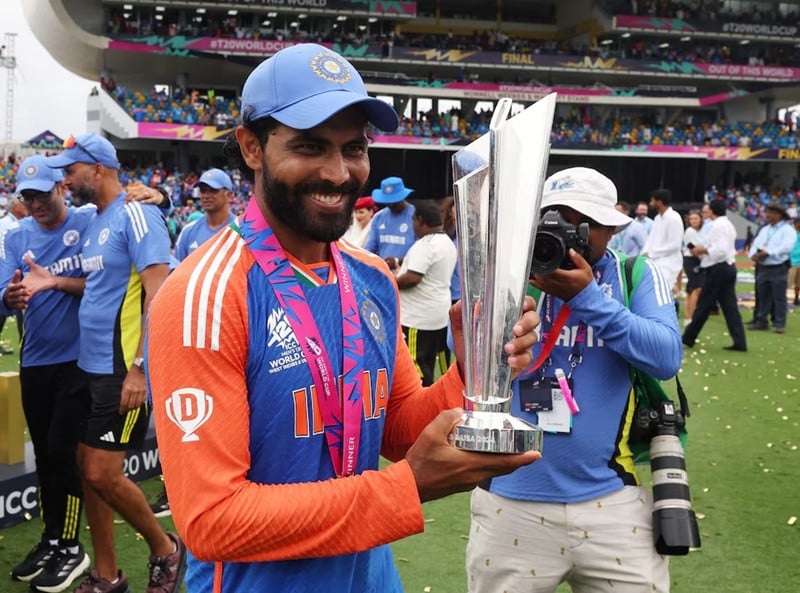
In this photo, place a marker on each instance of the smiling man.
(278, 369)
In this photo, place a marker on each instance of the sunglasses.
(28, 196)
(72, 143)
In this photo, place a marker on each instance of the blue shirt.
(594, 459)
(630, 240)
(195, 234)
(391, 235)
(777, 240)
(120, 242)
(51, 319)
(795, 256)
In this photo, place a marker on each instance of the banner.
(378, 7)
(19, 491)
(203, 46)
(719, 25)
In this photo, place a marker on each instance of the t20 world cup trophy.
(497, 184)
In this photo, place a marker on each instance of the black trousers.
(719, 286)
(427, 347)
(55, 399)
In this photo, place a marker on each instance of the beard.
(288, 204)
(82, 194)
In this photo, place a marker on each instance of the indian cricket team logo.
(103, 236)
(607, 289)
(189, 408)
(403, 227)
(71, 237)
(31, 171)
(371, 314)
(331, 67)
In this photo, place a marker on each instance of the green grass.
(744, 469)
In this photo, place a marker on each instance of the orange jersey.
(249, 476)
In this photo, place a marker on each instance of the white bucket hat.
(587, 191)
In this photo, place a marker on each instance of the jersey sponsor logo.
(393, 239)
(71, 238)
(280, 336)
(92, 264)
(66, 264)
(189, 408)
(108, 437)
(104, 234)
(571, 333)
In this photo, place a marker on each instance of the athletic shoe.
(34, 562)
(94, 584)
(161, 506)
(62, 568)
(166, 572)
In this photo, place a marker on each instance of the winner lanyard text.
(341, 416)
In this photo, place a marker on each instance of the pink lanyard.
(342, 421)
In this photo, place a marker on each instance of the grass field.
(744, 469)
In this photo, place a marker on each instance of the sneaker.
(161, 506)
(62, 568)
(166, 572)
(95, 584)
(34, 562)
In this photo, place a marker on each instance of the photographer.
(579, 515)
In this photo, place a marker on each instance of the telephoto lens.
(674, 522)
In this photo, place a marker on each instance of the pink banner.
(181, 131)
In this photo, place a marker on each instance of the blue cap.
(304, 85)
(34, 174)
(392, 191)
(216, 179)
(86, 148)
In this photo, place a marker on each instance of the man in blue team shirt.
(579, 514)
(45, 247)
(125, 256)
(41, 273)
(392, 231)
(216, 190)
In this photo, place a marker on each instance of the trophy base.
(496, 432)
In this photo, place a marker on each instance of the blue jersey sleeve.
(8, 265)
(646, 335)
(148, 236)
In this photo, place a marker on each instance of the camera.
(674, 522)
(554, 238)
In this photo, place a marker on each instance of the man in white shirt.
(665, 240)
(717, 258)
(424, 283)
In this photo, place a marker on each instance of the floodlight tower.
(9, 61)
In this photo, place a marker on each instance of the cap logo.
(331, 68)
(31, 171)
(561, 184)
(389, 189)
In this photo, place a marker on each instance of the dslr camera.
(674, 522)
(554, 238)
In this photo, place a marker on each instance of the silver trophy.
(498, 182)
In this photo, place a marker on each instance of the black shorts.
(105, 427)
